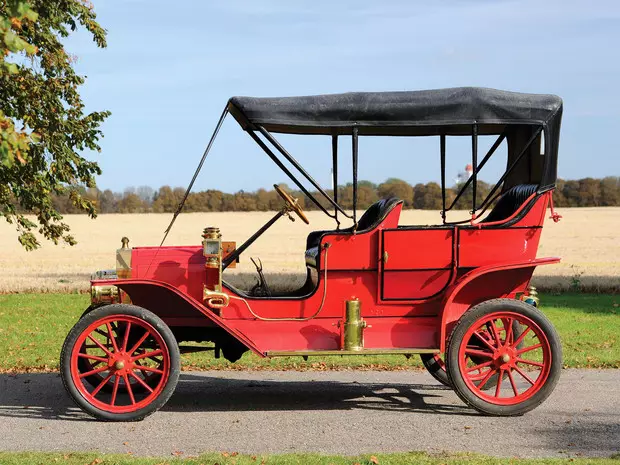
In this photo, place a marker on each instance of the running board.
(310, 353)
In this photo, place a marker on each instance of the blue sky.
(170, 68)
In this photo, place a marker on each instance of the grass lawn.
(33, 327)
(29, 458)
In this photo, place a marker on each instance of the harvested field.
(587, 239)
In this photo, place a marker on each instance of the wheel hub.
(120, 362)
(504, 358)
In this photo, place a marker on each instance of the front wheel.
(435, 365)
(497, 370)
(126, 346)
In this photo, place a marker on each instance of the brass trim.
(104, 295)
(123, 260)
(530, 296)
(215, 299)
(353, 326)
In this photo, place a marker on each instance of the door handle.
(385, 257)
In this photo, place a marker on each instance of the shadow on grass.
(42, 396)
(582, 302)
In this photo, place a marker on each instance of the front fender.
(484, 283)
(165, 300)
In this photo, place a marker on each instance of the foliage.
(581, 193)
(33, 326)
(43, 125)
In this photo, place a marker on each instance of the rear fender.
(484, 283)
(168, 302)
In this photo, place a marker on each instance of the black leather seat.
(510, 201)
(371, 218)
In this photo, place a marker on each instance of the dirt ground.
(586, 239)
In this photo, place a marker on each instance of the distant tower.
(469, 170)
(463, 176)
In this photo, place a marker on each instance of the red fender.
(484, 283)
(160, 298)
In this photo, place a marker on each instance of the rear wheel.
(120, 363)
(436, 366)
(497, 370)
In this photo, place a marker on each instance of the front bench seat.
(510, 201)
(371, 218)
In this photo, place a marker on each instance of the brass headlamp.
(212, 251)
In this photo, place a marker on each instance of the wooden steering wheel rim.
(292, 203)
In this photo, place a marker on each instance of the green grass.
(33, 458)
(33, 327)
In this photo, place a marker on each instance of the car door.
(416, 262)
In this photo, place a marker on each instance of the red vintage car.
(457, 292)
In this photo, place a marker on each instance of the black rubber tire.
(470, 317)
(121, 309)
(435, 369)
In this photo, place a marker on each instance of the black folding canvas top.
(425, 108)
(413, 113)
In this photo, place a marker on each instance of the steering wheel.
(292, 203)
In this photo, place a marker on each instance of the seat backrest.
(376, 213)
(371, 218)
(510, 201)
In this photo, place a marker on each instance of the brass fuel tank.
(352, 328)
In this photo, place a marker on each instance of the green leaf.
(38, 167)
(31, 15)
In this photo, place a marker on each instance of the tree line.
(587, 192)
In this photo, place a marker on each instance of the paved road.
(331, 412)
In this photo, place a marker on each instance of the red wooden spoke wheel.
(92, 356)
(497, 370)
(436, 366)
(120, 362)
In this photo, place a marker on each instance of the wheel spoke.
(499, 382)
(486, 378)
(94, 372)
(478, 353)
(129, 389)
(495, 333)
(521, 336)
(484, 340)
(525, 377)
(530, 362)
(527, 349)
(115, 389)
(87, 346)
(139, 343)
(479, 367)
(100, 345)
(112, 338)
(512, 382)
(101, 384)
(101, 333)
(126, 338)
(509, 331)
(92, 357)
(149, 369)
(141, 381)
(148, 355)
